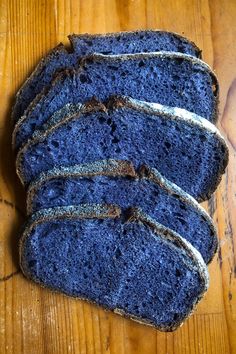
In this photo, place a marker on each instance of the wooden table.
(34, 320)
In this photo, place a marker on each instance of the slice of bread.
(117, 182)
(61, 58)
(189, 152)
(171, 79)
(136, 268)
(133, 42)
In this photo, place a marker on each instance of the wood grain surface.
(34, 320)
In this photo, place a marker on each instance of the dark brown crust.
(94, 105)
(82, 211)
(115, 34)
(136, 215)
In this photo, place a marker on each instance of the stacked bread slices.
(116, 145)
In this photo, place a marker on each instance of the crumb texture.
(162, 205)
(116, 265)
(192, 157)
(59, 59)
(171, 80)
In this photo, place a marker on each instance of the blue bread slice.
(189, 152)
(116, 43)
(133, 42)
(117, 182)
(171, 79)
(135, 267)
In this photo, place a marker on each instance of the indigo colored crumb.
(60, 59)
(115, 265)
(167, 208)
(190, 157)
(171, 81)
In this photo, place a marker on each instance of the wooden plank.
(35, 320)
(223, 34)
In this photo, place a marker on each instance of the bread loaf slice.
(115, 43)
(189, 152)
(171, 79)
(117, 182)
(136, 268)
(133, 42)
